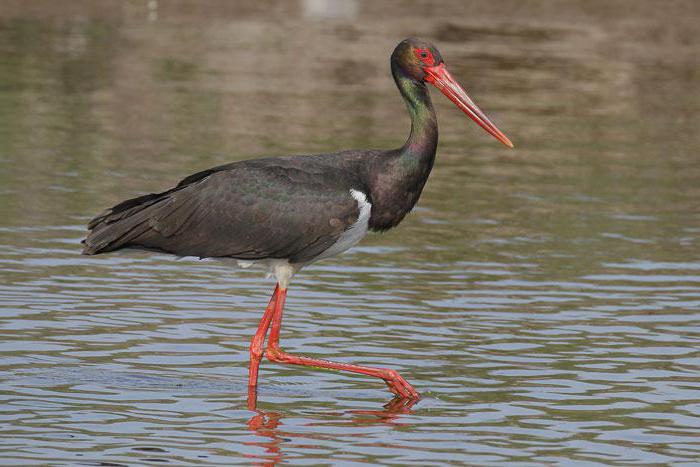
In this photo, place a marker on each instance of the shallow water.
(545, 301)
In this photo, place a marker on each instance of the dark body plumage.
(291, 208)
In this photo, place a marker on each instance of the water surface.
(545, 301)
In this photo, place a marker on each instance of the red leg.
(256, 344)
(393, 380)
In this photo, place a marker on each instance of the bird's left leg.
(393, 380)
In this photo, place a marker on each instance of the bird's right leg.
(256, 344)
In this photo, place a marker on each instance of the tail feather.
(121, 224)
(125, 209)
(135, 220)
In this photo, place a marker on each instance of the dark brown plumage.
(268, 208)
(287, 207)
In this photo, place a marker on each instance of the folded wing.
(251, 210)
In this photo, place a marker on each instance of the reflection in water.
(267, 424)
(389, 415)
(544, 301)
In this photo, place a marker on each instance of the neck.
(398, 178)
(422, 142)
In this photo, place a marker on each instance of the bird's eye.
(424, 55)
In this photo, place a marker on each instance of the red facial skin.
(425, 56)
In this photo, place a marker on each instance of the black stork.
(287, 212)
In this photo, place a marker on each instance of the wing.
(274, 208)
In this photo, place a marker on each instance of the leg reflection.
(267, 425)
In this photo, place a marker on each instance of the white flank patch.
(355, 232)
